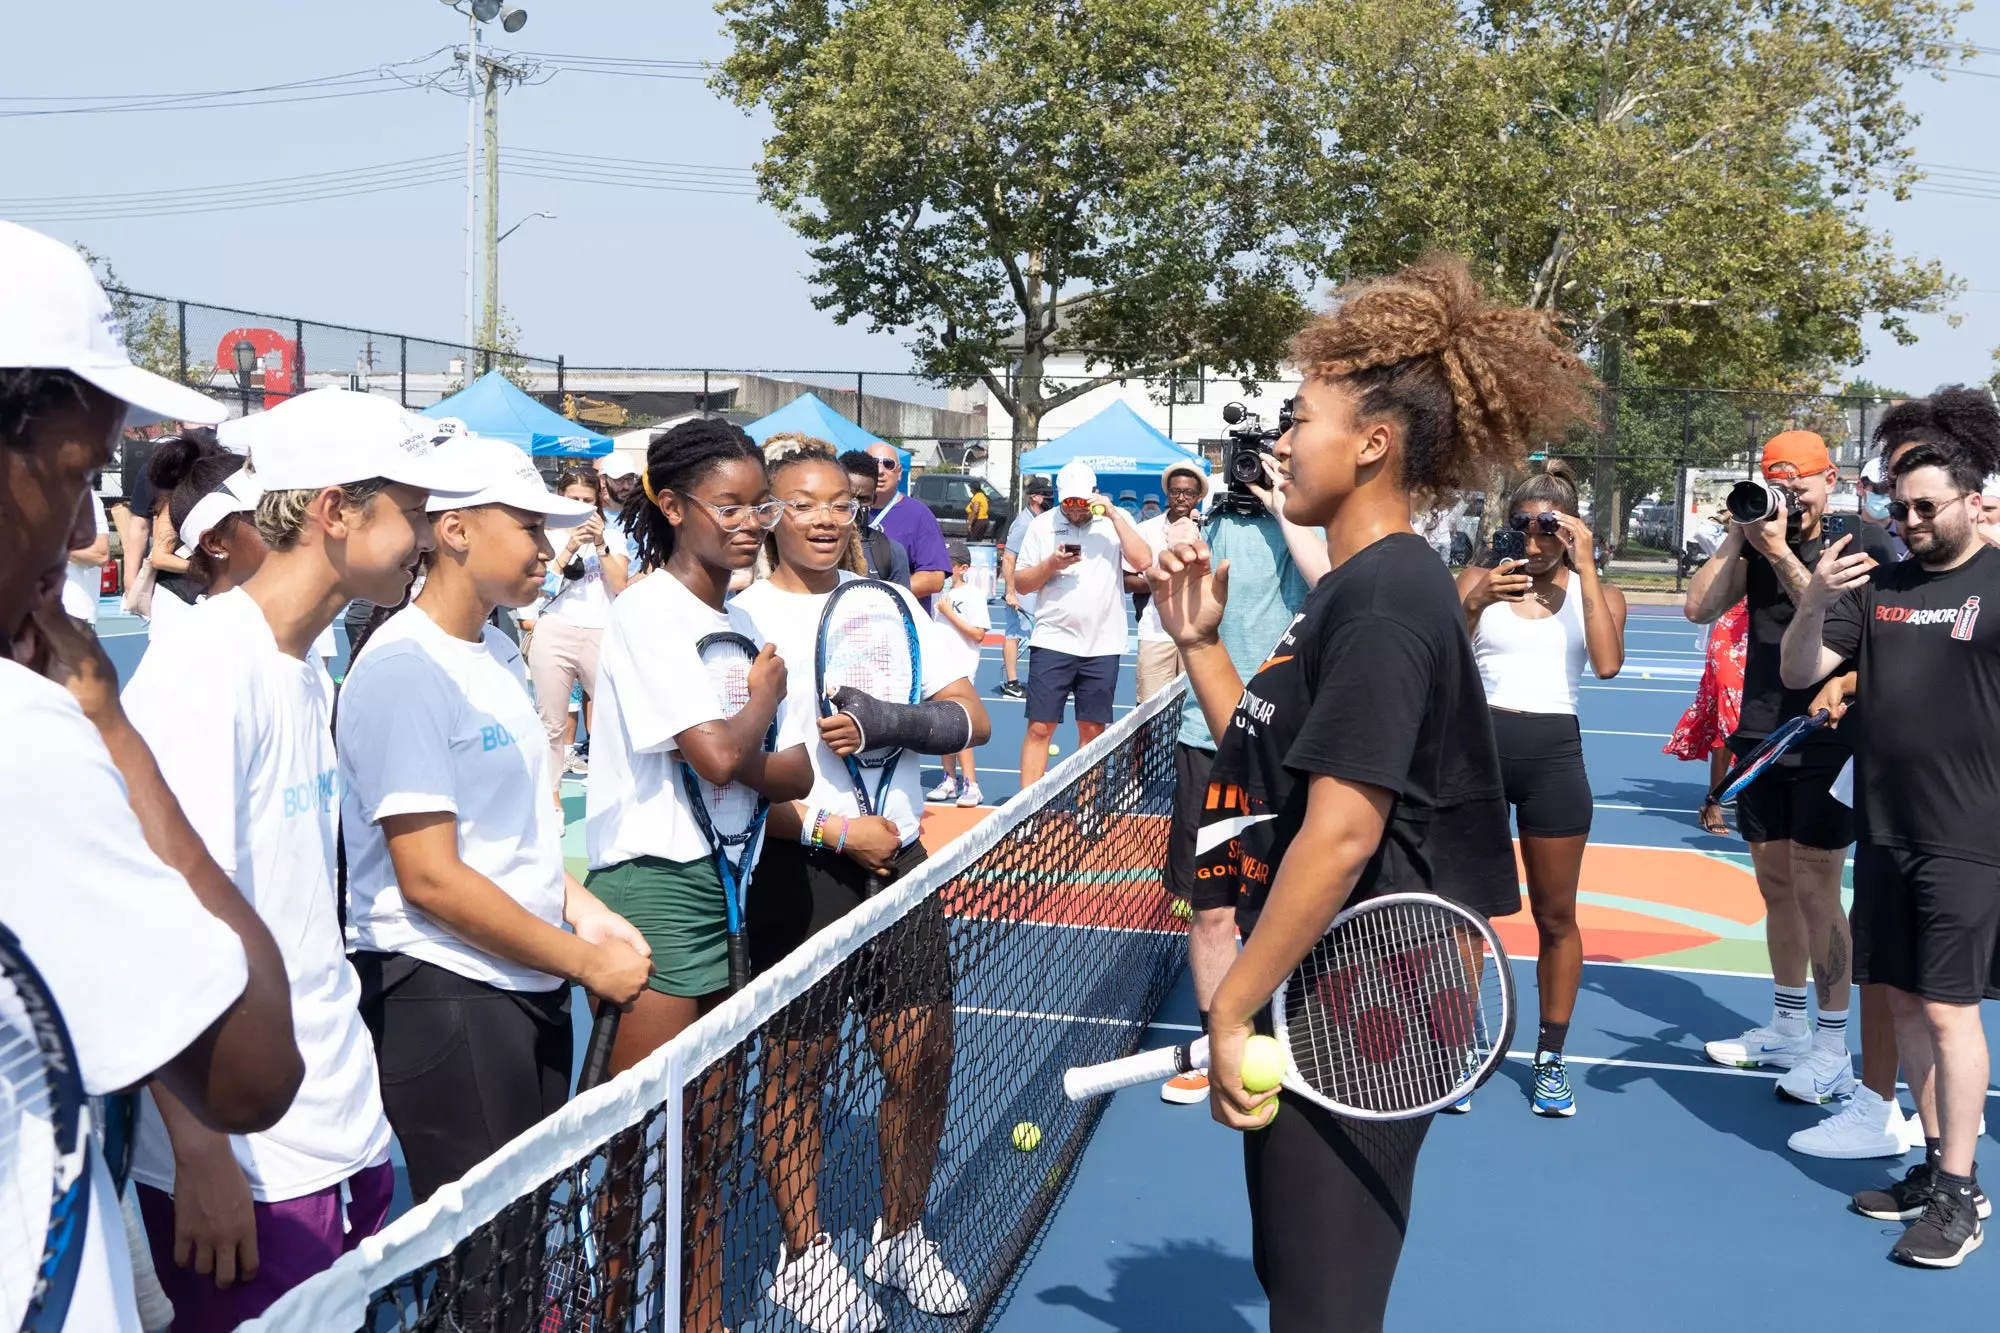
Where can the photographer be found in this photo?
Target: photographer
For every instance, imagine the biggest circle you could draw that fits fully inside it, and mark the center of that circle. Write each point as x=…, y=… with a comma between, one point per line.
x=588, y=571
x=1798, y=833
x=1273, y=565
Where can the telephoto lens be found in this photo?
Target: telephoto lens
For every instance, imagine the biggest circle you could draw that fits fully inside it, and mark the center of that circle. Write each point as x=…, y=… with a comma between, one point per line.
x=1751, y=501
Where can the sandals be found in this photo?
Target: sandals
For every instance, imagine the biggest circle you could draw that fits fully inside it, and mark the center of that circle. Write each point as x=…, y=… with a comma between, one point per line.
x=1710, y=817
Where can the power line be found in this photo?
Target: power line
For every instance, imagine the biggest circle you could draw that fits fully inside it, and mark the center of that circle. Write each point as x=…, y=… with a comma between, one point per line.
x=361, y=81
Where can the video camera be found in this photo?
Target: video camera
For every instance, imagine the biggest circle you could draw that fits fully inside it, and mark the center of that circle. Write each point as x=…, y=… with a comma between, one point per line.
x=1249, y=441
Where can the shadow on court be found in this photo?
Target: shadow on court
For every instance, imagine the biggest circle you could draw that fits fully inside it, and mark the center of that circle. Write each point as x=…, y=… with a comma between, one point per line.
x=1193, y=1284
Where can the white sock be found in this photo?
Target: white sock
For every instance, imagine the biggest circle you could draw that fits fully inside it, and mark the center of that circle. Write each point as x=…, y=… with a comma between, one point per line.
x=1832, y=1028
x=1788, y=1006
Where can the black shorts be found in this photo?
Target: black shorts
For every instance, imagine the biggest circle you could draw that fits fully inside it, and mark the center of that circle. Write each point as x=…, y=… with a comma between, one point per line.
x=1928, y=925
x=1329, y=1203
x=1191, y=765
x=1541, y=764
x=1054, y=676
x=795, y=893
x=1793, y=799
x=465, y=1067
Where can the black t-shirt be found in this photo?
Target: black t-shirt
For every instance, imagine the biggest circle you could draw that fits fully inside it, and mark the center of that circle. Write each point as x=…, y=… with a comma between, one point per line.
x=1373, y=682
x=1925, y=764
x=1766, y=701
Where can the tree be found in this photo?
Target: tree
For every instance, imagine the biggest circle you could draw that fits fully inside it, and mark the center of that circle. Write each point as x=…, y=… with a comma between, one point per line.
x=1010, y=180
x=1680, y=183
x=151, y=332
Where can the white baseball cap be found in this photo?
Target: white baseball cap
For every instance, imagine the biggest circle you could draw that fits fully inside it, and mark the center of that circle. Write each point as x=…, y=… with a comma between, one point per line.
x=1076, y=481
x=494, y=472
x=443, y=428
x=57, y=317
x=238, y=494
x=616, y=466
x=1876, y=470
x=336, y=437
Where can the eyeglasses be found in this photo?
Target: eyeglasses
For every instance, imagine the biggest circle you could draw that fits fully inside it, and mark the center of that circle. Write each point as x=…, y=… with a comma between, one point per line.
x=1546, y=524
x=805, y=511
x=733, y=517
x=1184, y=493
x=1923, y=509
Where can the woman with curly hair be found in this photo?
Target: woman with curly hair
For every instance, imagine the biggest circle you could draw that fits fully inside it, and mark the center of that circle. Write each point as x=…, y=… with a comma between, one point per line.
x=1360, y=759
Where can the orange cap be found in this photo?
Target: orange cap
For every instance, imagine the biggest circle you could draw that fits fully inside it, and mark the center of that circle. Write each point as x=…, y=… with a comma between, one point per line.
x=1801, y=448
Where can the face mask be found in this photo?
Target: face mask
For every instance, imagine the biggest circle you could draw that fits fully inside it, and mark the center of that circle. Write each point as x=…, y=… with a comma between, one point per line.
x=1875, y=505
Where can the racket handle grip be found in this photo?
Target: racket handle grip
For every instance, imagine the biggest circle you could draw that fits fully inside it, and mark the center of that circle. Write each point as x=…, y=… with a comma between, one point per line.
x=1085, y=1081
x=597, y=1054
x=739, y=961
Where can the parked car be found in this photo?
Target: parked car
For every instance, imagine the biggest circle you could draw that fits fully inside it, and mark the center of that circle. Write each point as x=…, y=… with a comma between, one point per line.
x=946, y=494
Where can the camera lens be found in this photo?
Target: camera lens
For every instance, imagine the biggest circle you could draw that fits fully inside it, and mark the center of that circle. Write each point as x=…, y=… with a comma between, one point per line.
x=1246, y=466
x=1751, y=502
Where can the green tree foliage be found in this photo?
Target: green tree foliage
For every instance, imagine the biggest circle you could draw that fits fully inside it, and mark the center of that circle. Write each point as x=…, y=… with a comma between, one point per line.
x=1009, y=180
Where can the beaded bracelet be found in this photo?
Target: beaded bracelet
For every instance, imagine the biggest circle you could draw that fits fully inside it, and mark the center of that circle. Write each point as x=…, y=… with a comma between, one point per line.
x=841, y=846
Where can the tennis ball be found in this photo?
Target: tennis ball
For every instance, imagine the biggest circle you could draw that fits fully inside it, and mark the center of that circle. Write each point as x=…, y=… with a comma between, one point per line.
x=1097, y=511
x=1027, y=1136
x=1263, y=1064
x=1182, y=910
x=1054, y=749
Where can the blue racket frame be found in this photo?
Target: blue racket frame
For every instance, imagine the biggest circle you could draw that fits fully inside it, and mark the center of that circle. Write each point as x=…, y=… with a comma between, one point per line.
x=855, y=763
x=735, y=879
x=1758, y=761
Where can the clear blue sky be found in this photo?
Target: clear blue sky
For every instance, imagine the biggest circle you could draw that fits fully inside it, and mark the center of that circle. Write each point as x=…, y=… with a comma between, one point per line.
x=622, y=276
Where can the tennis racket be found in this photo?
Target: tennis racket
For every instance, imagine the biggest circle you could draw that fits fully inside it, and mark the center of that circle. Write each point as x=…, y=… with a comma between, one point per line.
x=1404, y=1006
x=732, y=816
x=868, y=640
x=45, y=1151
x=1754, y=765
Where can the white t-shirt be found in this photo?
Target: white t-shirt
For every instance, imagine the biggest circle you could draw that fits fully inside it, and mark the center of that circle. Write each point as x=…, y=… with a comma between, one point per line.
x=790, y=621
x=83, y=584
x=241, y=734
x=1081, y=610
x=586, y=602
x=137, y=966
x=651, y=687
x=971, y=606
x=1154, y=530
x=433, y=724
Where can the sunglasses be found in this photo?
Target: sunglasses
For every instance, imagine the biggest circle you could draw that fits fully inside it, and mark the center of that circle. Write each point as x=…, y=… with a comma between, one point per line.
x=1926, y=510
x=1547, y=524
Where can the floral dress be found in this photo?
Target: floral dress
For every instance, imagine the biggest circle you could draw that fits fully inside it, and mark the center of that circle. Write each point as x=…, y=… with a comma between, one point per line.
x=1711, y=718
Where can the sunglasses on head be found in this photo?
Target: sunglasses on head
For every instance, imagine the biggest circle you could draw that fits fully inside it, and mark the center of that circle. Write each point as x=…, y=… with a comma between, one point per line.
x=1926, y=510
x=1548, y=525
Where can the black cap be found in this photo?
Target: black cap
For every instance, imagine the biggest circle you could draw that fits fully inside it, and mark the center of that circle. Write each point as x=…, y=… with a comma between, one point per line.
x=957, y=552
x=1038, y=485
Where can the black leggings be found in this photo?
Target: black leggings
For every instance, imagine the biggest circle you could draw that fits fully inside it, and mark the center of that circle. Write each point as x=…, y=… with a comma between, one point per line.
x=1541, y=763
x=465, y=1066
x=1329, y=1204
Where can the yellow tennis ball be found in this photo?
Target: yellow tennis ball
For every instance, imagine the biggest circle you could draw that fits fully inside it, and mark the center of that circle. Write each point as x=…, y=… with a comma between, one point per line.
x=1027, y=1136
x=1054, y=749
x=1263, y=1064
x=1097, y=511
x=1182, y=910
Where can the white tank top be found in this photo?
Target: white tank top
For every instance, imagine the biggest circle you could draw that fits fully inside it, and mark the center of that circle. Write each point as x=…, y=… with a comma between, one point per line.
x=1532, y=666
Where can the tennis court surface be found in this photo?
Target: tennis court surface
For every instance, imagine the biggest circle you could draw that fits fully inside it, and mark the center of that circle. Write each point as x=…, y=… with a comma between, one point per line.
x=1669, y=1201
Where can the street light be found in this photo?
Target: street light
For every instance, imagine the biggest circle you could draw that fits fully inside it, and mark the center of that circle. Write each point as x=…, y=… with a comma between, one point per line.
x=1752, y=421
x=522, y=223
x=246, y=366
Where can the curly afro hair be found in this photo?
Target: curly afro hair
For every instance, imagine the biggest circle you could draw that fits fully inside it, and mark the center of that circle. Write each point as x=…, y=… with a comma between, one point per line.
x=1474, y=384
x=1956, y=428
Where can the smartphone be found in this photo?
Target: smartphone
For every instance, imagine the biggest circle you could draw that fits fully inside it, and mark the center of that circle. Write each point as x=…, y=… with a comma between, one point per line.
x=1072, y=548
x=1509, y=545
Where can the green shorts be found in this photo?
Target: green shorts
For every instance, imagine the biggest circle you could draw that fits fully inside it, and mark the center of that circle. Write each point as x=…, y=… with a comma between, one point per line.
x=678, y=906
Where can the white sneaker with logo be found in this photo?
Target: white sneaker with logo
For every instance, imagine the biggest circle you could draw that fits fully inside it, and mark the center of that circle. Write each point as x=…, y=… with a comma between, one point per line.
x=944, y=791
x=816, y=1289
x=1864, y=1126
x=1913, y=1130
x=1778, y=1048
x=912, y=1264
x=1824, y=1072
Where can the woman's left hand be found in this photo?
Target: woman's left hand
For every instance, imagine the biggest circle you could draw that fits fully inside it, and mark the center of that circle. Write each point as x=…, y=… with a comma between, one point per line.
x=1270, y=494
x=1229, y=1101
x=1576, y=535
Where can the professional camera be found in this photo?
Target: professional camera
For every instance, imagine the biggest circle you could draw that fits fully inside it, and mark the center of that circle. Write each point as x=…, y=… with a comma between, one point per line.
x=1243, y=468
x=1755, y=501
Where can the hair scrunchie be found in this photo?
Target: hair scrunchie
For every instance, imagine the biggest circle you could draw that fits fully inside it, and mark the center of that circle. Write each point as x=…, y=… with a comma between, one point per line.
x=646, y=483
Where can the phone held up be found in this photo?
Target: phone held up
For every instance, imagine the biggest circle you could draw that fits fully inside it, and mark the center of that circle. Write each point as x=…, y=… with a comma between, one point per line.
x=1509, y=544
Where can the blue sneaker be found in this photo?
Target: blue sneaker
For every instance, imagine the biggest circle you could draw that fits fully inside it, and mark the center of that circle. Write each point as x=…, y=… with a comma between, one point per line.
x=1461, y=1106
x=1553, y=1095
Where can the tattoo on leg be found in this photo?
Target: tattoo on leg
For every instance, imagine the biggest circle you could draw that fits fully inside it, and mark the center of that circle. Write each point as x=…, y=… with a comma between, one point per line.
x=1837, y=960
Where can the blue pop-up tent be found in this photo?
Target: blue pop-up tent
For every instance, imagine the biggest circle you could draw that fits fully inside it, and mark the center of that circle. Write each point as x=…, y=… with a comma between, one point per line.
x=492, y=406
x=1126, y=452
x=810, y=415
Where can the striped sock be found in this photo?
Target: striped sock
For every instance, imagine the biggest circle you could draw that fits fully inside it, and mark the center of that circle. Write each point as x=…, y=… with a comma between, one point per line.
x=1789, y=1006
x=1832, y=1027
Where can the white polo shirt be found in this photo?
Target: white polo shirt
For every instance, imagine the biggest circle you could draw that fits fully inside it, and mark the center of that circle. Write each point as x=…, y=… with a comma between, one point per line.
x=240, y=731
x=1081, y=610
x=432, y=724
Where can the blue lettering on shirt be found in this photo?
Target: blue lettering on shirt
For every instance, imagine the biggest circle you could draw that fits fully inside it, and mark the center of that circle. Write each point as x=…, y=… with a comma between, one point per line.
x=314, y=797
x=494, y=737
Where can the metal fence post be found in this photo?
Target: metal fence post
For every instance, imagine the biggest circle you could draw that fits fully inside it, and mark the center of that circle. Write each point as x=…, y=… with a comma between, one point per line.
x=705, y=408
x=299, y=355
x=403, y=371
x=860, y=397
x=1679, y=528
x=1173, y=392
x=562, y=382
x=181, y=338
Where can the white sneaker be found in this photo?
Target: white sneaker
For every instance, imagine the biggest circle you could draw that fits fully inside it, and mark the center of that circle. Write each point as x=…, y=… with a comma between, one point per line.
x=816, y=1289
x=1864, y=1126
x=944, y=791
x=1913, y=1129
x=911, y=1264
x=1824, y=1072
x=1779, y=1048
x=969, y=796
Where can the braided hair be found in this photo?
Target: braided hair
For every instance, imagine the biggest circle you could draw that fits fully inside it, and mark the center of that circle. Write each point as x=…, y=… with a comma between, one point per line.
x=1473, y=383
x=1956, y=429
x=677, y=460
x=852, y=559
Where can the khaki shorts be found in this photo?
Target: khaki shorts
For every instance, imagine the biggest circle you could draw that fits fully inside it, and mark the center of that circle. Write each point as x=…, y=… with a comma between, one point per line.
x=1159, y=663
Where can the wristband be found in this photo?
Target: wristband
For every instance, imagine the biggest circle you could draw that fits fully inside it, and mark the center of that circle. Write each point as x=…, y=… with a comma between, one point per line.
x=812, y=826
x=841, y=846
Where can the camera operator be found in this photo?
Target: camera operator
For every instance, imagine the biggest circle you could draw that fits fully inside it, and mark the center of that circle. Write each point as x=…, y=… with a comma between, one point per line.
x=1798, y=833
x=1070, y=560
x=1273, y=564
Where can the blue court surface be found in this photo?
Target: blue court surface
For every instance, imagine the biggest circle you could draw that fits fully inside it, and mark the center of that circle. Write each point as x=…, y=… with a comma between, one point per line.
x=1669, y=1202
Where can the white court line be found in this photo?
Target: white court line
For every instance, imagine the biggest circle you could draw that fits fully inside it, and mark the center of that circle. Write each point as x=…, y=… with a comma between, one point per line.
x=1649, y=735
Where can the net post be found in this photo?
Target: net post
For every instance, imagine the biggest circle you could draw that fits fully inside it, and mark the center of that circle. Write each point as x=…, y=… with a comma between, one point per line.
x=673, y=1188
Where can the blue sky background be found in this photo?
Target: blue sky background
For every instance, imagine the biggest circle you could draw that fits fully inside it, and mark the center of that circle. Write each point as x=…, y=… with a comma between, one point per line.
x=622, y=276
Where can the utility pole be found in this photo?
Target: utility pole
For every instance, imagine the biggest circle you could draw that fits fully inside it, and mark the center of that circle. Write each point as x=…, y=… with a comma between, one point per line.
x=490, y=327
x=471, y=178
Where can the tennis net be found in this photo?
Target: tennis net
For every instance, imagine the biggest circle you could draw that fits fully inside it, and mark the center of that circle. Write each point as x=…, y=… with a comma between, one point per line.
x=899, y=1076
